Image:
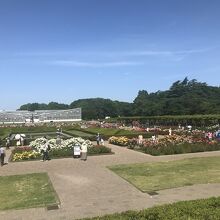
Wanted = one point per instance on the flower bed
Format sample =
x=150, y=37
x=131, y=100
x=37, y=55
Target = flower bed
x=175, y=145
x=22, y=149
x=68, y=152
x=26, y=155
x=69, y=143
x=121, y=141
x=179, y=149
x=63, y=149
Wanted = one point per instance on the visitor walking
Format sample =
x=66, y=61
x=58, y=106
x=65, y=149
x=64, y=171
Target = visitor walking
x=8, y=143
x=2, y=155
x=98, y=138
x=45, y=151
x=84, y=152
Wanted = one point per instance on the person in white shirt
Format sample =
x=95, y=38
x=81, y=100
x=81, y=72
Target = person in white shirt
x=153, y=138
x=140, y=139
x=2, y=153
x=102, y=142
x=45, y=150
x=84, y=152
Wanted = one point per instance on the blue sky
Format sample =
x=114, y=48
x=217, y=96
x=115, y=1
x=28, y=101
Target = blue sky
x=65, y=50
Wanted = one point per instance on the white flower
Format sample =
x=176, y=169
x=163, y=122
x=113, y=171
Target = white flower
x=69, y=143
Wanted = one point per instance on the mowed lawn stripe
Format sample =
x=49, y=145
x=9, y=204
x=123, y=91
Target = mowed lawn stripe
x=171, y=174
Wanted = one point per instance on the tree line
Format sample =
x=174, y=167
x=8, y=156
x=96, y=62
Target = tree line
x=186, y=97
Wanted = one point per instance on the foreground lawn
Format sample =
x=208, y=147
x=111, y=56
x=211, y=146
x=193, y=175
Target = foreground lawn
x=25, y=191
x=164, y=175
x=204, y=209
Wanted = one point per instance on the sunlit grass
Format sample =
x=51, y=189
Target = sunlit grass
x=164, y=175
x=26, y=191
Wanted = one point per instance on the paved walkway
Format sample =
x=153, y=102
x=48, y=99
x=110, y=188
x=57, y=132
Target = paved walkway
x=89, y=189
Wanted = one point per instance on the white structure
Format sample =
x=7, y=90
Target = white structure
x=10, y=117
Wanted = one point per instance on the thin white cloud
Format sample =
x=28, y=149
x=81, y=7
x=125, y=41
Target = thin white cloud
x=43, y=53
x=113, y=53
x=164, y=52
x=75, y=63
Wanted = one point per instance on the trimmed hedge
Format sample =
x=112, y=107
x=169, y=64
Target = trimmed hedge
x=67, y=152
x=203, y=209
x=172, y=120
x=99, y=150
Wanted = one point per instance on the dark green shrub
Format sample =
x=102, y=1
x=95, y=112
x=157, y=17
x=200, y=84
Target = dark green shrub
x=99, y=150
x=68, y=152
x=59, y=153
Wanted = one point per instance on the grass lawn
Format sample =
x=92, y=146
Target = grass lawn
x=112, y=131
x=41, y=129
x=26, y=191
x=72, y=130
x=107, y=132
x=150, y=177
x=79, y=133
x=103, y=131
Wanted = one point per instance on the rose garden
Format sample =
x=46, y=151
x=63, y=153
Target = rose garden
x=150, y=175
